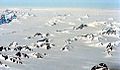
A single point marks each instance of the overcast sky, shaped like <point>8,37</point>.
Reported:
<point>61,3</point>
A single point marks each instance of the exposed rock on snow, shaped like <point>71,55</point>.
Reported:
<point>38,55</point>
<point>11,59</point>
<point>41,35</point>
<point>16,60</point>
<point>37,34</point>
<point>3,65</point>
<point>44,43</point>
<point>109,31</point>
<point>2,48</point>
<point>13,44</point>
<point>109,49</point>
<point>23,48</point>
<point>101,66</point>
<point>80,27</point>
<point>92,37</point>
<point>66,48</point>
<point>24,55</point>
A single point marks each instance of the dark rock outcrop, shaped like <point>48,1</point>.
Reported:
<point>101,66</point>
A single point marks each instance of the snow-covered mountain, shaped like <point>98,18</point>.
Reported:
<point>10,15</point>
<point>59,39</point>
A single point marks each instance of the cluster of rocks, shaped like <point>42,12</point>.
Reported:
<point>3,65</point>
<point>101,66</point>
<point>17,47</point>
<point>79,37</point>
<point>39,55</point>
<point>26,47</point>
<point>2,48</point>
<point>80,27</point>
<point>20,50</point>
<point>109,31</point>
<point>24,55</point>
<point>109,48</point>
<point>38,34</point>
<point>76,38</point>
<point>13,59</point>
<point>66,48</point>
<point>44,43</point>
<point>16,58</point>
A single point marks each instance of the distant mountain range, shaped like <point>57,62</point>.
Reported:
<point>4,19</point>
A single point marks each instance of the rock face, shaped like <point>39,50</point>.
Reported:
<point>101,66</point>
<point>1,48</point>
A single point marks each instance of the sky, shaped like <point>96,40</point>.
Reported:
<point>61,3</point>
